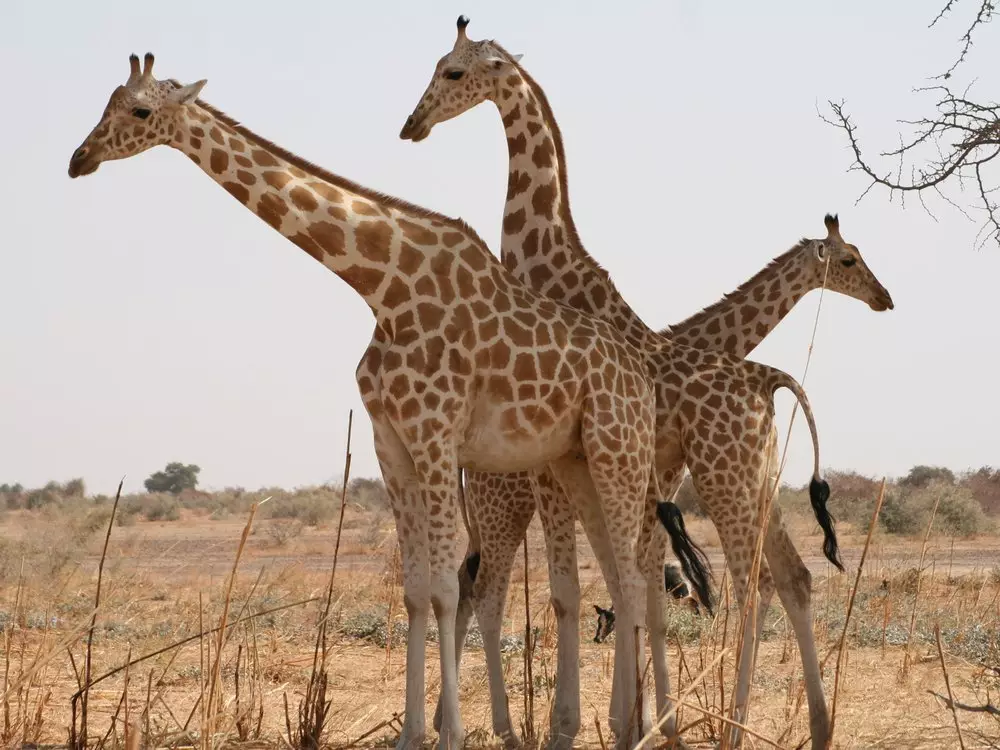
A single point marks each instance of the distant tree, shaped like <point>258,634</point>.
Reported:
<point>921,476</point>
<point>175,478</point>
<point>11,489</point>
<point>949,153</point>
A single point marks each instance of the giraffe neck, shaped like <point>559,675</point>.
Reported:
<point>540,243</point>
<point>397,256</point>
<point>739,321</point>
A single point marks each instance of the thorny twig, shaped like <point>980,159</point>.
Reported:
<point>962,137</point>
<point>983,16</point>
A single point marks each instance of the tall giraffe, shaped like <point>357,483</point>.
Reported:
<point>466,368</point>
<point>540,243</point>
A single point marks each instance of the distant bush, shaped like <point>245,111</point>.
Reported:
<point>958,513</point>
<point>370,494</point>
<point>161,508</point>
<point>921,476</point>
<point>984,484</point>
<point>283,530</point>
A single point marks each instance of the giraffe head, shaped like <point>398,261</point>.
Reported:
<point>847,271</point>
<point>605,623</point>
<point>469,74</point>
<point>140,114</point>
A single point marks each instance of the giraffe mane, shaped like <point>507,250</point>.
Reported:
<point>741,289</point>
<point>320,173</point>
<point>564,208</point>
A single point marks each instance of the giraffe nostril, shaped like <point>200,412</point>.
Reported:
<point>80,153</point>
<point>409,121</point>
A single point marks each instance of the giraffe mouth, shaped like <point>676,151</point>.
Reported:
<point>415,129</point>
<point>882,303</point>
<point>80,167</point>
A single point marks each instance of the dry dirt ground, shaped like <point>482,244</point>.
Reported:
<point>163,581</point>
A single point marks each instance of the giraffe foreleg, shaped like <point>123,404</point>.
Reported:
<point>439,486</point>
<point>403,488</point>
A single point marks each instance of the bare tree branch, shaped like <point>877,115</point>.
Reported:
<point>986,708</point>
<point>951,147</point>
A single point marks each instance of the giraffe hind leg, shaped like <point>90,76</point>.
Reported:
<point>794,584</point>
<point>559,526</point>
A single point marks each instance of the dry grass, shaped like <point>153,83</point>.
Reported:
<point>166,581</point>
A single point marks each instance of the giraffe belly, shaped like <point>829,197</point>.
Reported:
<point>503,437</point>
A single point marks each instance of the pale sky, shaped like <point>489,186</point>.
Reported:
<point>147,317</point>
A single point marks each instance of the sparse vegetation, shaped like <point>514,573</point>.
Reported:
<point>165,580</point>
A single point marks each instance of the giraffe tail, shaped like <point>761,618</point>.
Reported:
<point>819,489</point>
<point>693,560</point>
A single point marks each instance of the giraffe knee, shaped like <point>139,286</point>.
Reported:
<point>416,605</point>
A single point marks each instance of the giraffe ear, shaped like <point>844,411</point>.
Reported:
<point>187,94</point>
<point>499,65</point>
<point>819,247</point>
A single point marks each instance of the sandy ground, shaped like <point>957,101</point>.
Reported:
<point>163,578</point>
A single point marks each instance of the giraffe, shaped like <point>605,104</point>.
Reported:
<point>541,244</point>
<point>502,505</point>
<point>467,367</point>
<point>673,583</point>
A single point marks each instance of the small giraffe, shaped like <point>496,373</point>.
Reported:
<point>673,583</point>
<point>466,368</point>
<point>541,245</point>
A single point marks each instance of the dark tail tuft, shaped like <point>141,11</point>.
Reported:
<point>692,558</point>
<point>819,493</point>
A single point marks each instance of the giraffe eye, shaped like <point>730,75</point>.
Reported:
<point>141,112</point>
<point>848,262</point>
<point>454,75</point>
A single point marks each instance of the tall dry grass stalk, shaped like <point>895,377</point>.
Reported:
<point>683,697</point>
<point>314,709</point>
<point>529,649</point>
<point>850,609</point>
<point>29,708</point>
<point>947,685</point>
<point>213,702</point>
<point>78,740</point>
<point>905,668</point>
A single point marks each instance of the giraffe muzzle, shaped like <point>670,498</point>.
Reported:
<point>414,129</point>
<point>882,302</point>
<point>83,162</point>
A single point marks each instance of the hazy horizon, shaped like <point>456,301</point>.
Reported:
<point>147,317</point>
